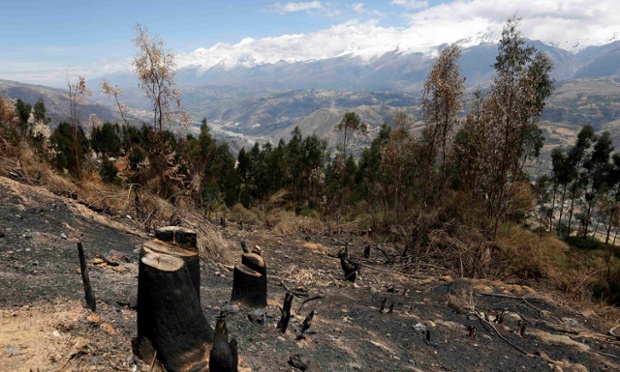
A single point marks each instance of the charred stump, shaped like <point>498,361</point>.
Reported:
<point>307,323</point>
<point>223,356</point>
<point>89,296</point>
<point>170,320</point>
<point>286,313</point>
<point>250,281</point>
<point>350,268</point>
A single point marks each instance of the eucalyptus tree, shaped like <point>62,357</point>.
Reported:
<point>155,68</point>
<point>516,99</point>
<point>442,101</point>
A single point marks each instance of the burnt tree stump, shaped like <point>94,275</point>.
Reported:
<point>286,313</point>
<point>170,319</point>
<point>250,281</point>
<point>88,290</point>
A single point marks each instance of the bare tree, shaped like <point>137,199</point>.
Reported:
<point>155,67</point>
<point>77,93</point>
<point>442,102</point>
<point>398,165</point>
<point>115,92</point>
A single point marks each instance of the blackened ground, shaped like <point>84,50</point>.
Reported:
<point>44,325</point>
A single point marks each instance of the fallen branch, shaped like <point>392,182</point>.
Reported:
<point>294,293</point>
<point>308,300</point>
<point>412,276</point>
<point>484,321</point>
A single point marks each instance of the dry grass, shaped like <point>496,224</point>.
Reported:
<point>240,214</point>
<point>21,164</point>
<point>462,299</point>
<point>286,222</point>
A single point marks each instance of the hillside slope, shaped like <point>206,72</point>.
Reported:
<point>44,326</point>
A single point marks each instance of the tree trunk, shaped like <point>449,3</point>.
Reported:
<point>88,290</point>
<point>561,209</point>
<point>250,281</point>
<point>555,186</point>
<point>286,313</point>
<point>570,214</point>
<point>587,221</point>
<point>170,319</point>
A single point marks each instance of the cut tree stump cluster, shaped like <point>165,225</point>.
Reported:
<point>250,280</point>
<point>171,325</point>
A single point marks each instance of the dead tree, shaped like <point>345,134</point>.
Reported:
<point>91,303</point>
<point>250,281</point>
<point>307,323</point>
<point>471,331</point>
<point>170,320</point>
<point>286,312</point>
<point>383,304</point>
<point>522,326</point>
<point>223,356</point>
<point>244,247</point>
<point>350,268</point>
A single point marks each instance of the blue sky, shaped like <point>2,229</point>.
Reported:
<point>40,39</point>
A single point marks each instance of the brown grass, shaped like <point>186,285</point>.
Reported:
<point>22,164</point>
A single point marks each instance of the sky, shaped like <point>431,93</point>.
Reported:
<point>41,41</point>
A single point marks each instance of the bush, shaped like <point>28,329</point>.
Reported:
<point>583,243</point>
<point>108,171</point>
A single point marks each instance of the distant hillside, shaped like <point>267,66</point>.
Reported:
<point>607,64</point>
<point>56,102</point>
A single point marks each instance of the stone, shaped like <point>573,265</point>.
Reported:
<point>133,298</point>
<point>12,350</point>
<point>230,309</point>
<point>64,236</point>
<point>257,316</point>
<point>299,361</point>
<point>420,327</point>
<point>116,256</point>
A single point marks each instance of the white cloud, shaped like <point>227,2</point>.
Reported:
<point>410,4</point>
<point>360,8</point>
<point>307,6</point>
<point>570,24</point>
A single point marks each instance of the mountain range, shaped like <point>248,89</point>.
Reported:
<point>246,100</point>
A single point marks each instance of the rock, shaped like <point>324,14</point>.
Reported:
<point>116,256</point>
<point>298,361</point>
<point>12,350</point>
<point>133,298</point>
<point>64,236</point>
<point>94,360</point>
<point>257,316</point>
<point>230,309</point>
<point>420,327</point>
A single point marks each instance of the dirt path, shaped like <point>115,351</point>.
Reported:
<point>43,325</point>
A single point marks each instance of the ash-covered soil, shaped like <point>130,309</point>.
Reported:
<point>44,326</point>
